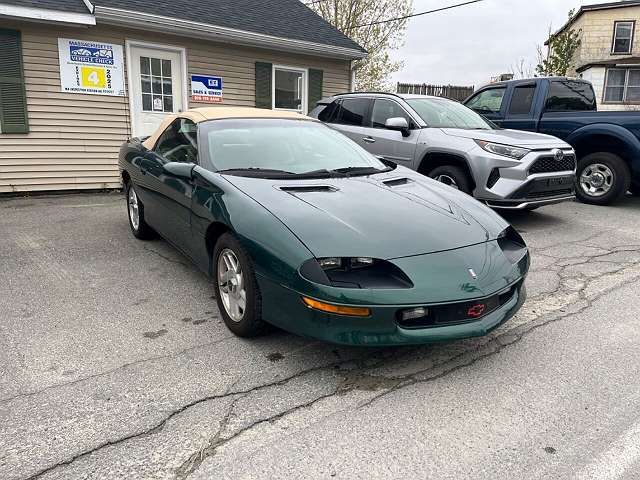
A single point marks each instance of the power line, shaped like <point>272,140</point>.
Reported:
<point>415,14</point>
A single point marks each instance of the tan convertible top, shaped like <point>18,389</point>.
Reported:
<point>203,114</point>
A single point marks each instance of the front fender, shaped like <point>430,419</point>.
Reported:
<point>629,140</point>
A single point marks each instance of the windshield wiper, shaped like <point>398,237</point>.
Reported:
<point>256,170</point>
<point>360,170</point>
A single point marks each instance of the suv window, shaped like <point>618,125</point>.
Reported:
<point>353,111</point>
<point>179,142</point>
<point>383,109</point>
<point>522,99</point>
<point>328,113</point>
<point>570,95</point>
<point>488,101</point>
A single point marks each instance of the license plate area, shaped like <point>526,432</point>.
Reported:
<point>560,181</point>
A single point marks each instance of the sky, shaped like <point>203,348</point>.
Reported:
<point>471,44</point>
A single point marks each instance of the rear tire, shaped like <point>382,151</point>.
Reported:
<point>602,178</point>
<point>135,212</point>
<point>453,176</point>
<point>236,288</point>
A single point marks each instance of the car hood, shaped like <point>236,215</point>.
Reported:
<point>516,138</point>
<point>390,215</point>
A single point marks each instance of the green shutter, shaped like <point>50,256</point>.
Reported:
<point>13,98</point>
<point>315,87</point>
<point>263,85</point>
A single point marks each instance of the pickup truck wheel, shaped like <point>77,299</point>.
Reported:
<point>602,178</point>
<point>455,177</point>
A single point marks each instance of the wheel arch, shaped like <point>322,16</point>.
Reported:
<point>214,231</point>
<point>435,159</point>
<point>607,138</point>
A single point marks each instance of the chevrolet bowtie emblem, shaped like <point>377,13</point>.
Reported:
<point>473,274</point>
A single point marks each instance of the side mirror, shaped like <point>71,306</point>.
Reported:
<point>398,123</point>
<point>179,169</point>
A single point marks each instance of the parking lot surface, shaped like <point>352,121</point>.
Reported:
<point>114,363</point>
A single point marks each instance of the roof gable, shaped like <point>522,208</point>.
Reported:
<point>595,7</point>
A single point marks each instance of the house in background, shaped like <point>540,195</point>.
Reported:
<point>609,55</point>
<point>78,77</point>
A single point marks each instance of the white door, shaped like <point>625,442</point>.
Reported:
<point>157,86</point>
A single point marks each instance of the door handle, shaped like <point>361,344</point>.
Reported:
<point>369,140</point>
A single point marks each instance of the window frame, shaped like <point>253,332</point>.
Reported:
<point>625,87</point>
<point>162,156</point>
<point>615,36</point>
<point>305,84</point>
<point>369,122</point>
<point>480,92</point>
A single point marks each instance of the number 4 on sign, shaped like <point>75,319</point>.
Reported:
<point>93,78</point>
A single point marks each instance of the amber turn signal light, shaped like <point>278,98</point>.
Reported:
<point>336,309</point>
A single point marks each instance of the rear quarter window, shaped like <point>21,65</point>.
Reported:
<point>570,95</point>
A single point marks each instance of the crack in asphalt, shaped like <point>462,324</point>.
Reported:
<point>391,384</point>
<point>115,369</point>
<point>168,259</point>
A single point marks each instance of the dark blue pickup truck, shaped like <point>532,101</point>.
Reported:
<point>607,144</point>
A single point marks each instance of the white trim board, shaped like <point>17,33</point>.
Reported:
<point>44,15</point>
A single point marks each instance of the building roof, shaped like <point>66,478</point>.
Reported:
<point>279,18</point>
<point>622,62</point>
<point>203,114</point>
<point>260,21</point>
<point>594,7</point>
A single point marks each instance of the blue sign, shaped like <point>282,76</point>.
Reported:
<point>206,89</point>
<point>88,54</point>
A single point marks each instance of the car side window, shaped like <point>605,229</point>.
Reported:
<point>522,99</point>
<point>488,101</point>
<point>384,109</point>
<point>353,111</point>
<point>328,113</point>
<point>179,142</point>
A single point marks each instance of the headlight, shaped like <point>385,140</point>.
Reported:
<point>503,150</point>
<point>330,263</point>
<point>354,272</point>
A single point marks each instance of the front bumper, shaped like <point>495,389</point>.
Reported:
<point>284,308</point>
<point>538,179</point>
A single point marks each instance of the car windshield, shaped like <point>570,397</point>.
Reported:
<point>443,113</point>
<point>283,147</point>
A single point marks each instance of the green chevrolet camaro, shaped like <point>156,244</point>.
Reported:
<point>302,228</point>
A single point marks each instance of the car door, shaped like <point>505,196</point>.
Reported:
<point>519,113</point>
<point>171,205</point>
<point>489,103</point>
<point>351,116</point>
<point>393,145</point>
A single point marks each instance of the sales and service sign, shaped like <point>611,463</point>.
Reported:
<point>206,89</point>
<point>92,68</point>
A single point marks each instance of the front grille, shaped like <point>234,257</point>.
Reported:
<point>462,312</point>
<point>552,193</point>
<point>550,164</point>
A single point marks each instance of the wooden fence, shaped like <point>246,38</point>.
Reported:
<point>448,91</point>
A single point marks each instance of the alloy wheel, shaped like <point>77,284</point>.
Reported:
<point>134,209</point>
<point>231,285</point>
<point>596,180</point>
<point>447,180</point>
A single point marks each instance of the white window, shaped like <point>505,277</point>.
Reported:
<point>622,85</point>
<point>622,37</point>
<point>289,89</point>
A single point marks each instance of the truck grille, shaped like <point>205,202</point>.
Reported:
<point>550,164</point>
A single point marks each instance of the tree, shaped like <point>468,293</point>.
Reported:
<point>562,48</point>
<point>357,19</point>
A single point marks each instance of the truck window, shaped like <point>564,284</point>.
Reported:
<point>570,95</point>
<point>487,101</point>
<point>522,99</point>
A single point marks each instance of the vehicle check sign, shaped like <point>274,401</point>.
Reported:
<point>206,89</point>
<point>93,68</point>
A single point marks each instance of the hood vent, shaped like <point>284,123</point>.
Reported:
<point>308,188</point>
<point>395,182</point>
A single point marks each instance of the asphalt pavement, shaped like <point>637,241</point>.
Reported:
<point>115,364</point>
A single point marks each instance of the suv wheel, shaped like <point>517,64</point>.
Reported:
<point>602,178</point>
<point>455,177</point>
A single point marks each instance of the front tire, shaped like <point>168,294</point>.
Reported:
<point>602,178</point>
<point>453,176</point>
<point>135,211</point>
<point>237,292</point>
